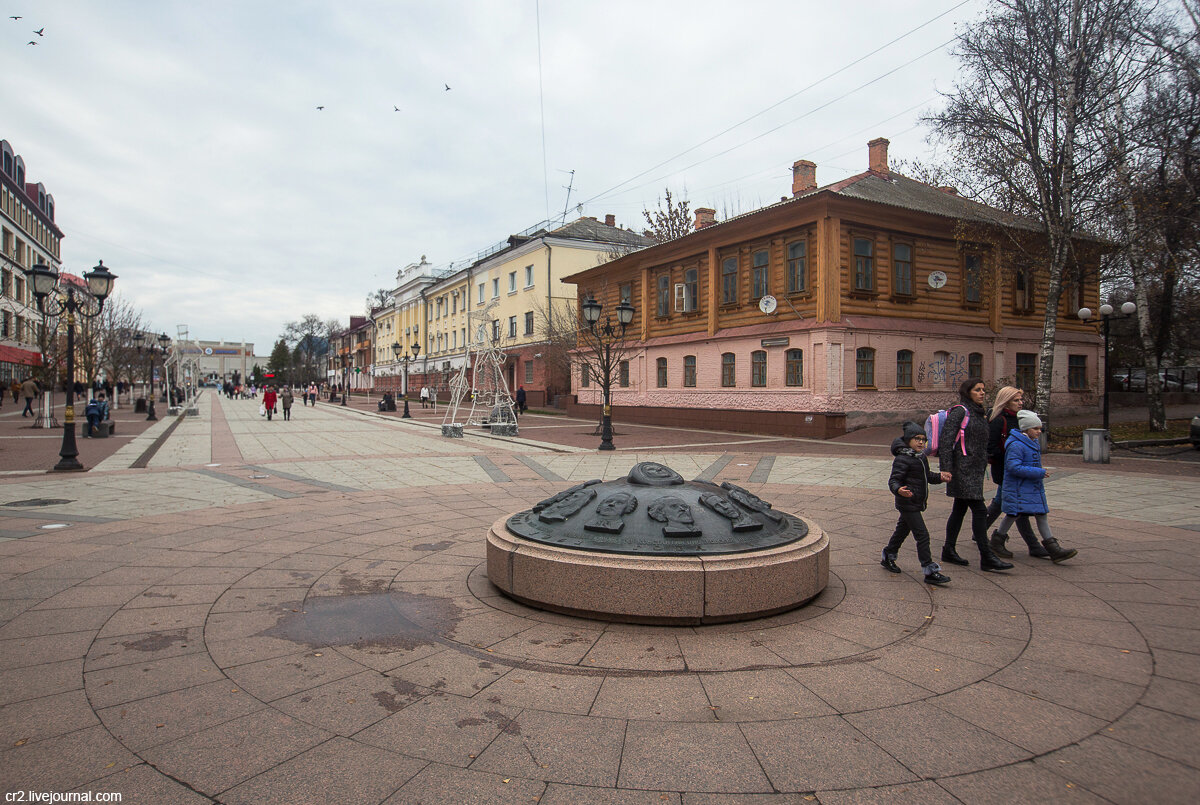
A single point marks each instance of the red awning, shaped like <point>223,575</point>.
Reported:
<point>21,356</point>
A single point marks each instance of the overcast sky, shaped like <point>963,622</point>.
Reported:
<point>183,144</point>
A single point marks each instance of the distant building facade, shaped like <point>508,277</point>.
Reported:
<point>218,361</point>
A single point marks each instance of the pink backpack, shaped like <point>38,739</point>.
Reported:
<point>933,429</point>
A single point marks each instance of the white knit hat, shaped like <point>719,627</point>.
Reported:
<point>1027,420</point>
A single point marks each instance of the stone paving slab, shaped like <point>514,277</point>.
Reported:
<point>192,633</point>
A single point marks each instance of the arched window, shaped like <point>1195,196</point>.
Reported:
<point>585,375</point>
<point>865,368</point>
<point>758,368</point>
<point>623,374</point>
<point>689,371</point>
<point>904,369</point>
<point>728,369</point>
<point>661,366</point>
<point>729,281</point>
<point>795,367</point>
<point>975,364</point>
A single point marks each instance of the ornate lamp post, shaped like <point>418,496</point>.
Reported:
<point>164,341</point>
<point>44,280</point>
<point>602,341</point>
<point>345,377</point>
<point>1106,315</point>
<point>415,350</point>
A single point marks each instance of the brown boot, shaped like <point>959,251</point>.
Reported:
<point>1056,551</point>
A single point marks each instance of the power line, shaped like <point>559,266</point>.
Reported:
<point>778,103</point>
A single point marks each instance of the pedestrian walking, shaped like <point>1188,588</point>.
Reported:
<point>1002,421</point>
<point>15,390</point>
<point>962,451</point>
<point>520,400</point>
<point>1025,484</point>
<point>909,482</point>
<point>424,396</point>
<point>312,395</point>
<point>269,401</point>
<point>285,402</point>
<point>29,390</point>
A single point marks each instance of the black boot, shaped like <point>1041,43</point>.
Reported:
<point>889,562</point>
<point>1035,550</point>
<point>950,555</point>
<point>1056,552</point>
<point>987,559</point>
<point>998,547</point>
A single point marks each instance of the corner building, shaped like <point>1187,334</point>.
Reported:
<point>863,302</point>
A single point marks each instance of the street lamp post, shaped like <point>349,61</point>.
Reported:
<point>100,284</point>
<point>602,342</point>
<point>415,350</point>
<point>164,341</point>
<point>1107,315</point>
<point>345,377</point>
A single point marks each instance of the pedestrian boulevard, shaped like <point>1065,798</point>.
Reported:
<point>230,609</point>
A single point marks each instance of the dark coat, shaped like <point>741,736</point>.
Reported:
<point>1024,491</point>
<point>911,469</point>
<point>998,430</point>
<point>968,470</point>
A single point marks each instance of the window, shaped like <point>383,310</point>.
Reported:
<point>729,281</point>
<point>864,264</point>
<point>904,369</point>
<point>689,371</point>
<point>585,375</point>
<point>627,292</point>
<point>496,329</point>
<point>529,322</point>
<point>623,374</point>
<point>691,282</point>
<point>1074,294</point>
<point>758,368</point>
<point>512,326</point>
<point>758,275</point>
<point>902,269</point>
<point>795,367</point>
<point>661,365</point>
<point>1026,377</point>
<point>864,366</point>
<point>975,364</point>
<point>481,293</point>
<point>1023,291</point>
<point>728,369</point>
<point>496,288</point>
<point>512,281</point>
<point>454,302</point>
<point>1076,372</point>
<point>972,279</point>
<point>664,294</point>
<point>797,266</point>
<point>454,339</point>
<point>528,276</point>
<point>528,371</point>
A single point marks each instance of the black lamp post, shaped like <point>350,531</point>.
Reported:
<point>345,377</point>
<point>164,341</point>
<point>602,342</point>
<point>405,358</point>
<point>1106,315</point>
<point>44,280</point>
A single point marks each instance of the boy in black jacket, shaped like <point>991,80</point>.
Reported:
<point>909,482</point>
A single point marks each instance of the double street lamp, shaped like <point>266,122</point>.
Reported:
<point>601,341</point>
<point>164,341</point>
<point>415,350</point>
<point>44,281</point>
<point>1106,315</point>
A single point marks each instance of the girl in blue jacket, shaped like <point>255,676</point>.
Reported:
<point>1023,492</point>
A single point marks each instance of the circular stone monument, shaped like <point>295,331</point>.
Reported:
<point>654,548</point>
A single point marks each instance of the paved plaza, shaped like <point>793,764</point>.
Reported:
<point>226,609</point>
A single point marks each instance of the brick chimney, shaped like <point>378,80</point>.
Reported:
<point>705,217</point>
<point>804,176</point>
<point>877,156</point>
<point>610,220</point>
<point>948,189</point>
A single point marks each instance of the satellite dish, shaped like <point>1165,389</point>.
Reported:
<point>937,279</point>
<point>767,304</point>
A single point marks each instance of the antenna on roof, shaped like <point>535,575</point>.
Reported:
<point>567,204</point>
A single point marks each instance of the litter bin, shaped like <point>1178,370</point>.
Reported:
<point>139,405</point>
<point>1095,446</point>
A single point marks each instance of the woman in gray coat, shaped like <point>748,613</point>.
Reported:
<point>962,451</point>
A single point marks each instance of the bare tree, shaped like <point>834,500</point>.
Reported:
<point>1027,121</point>
<point>118,324</point>
<point>669,221</point>
<point>310,338</point>
<point>558,329</point>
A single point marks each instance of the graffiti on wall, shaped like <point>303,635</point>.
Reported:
<point>948,368</point>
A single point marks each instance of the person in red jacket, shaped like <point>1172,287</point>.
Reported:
<point>269,398</point>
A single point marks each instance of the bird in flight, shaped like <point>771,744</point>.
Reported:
<point>447,88</point>
<point>39,30</point>
<point>31,42</point>
<point>319,108</point>
<point>14,18</point>
<point>395,108</point>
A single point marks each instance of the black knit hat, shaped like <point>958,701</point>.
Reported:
<point>912,429</point>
